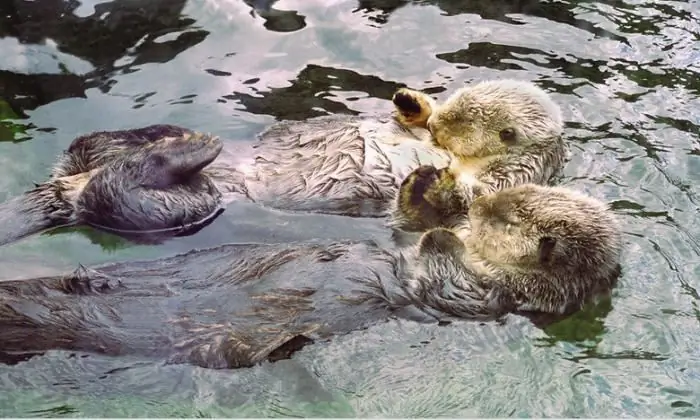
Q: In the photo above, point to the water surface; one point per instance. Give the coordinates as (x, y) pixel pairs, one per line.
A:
(625, 72)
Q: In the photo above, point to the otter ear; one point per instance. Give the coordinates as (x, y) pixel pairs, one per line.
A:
(441, 241)
(546, 249)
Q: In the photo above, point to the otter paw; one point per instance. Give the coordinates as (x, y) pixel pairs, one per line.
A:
(430, 185)
(419, 183)
(441, 241)
(424, 199)
(413, 107)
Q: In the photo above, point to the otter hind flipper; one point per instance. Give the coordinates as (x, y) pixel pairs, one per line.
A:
(226, 347)
(93, 150)
(173, 160)
(289, 347)
(154, 192)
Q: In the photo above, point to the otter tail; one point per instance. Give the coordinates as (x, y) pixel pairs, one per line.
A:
(36, 210)
(26, 325)
(53, 313)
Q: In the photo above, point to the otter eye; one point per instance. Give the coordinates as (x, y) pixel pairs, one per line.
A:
(507, 135)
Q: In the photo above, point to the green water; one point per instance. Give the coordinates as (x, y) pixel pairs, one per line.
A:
(625, 72)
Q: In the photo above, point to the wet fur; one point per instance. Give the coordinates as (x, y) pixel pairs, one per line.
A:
(545, 248)
(529, 248)
(227, 307)
(340, 164)
(144, 184)
(345, 165)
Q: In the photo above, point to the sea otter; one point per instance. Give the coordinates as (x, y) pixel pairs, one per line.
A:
(498, 133)
(524, 248)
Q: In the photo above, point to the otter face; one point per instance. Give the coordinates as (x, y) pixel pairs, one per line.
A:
(547, 230)
(490, 117)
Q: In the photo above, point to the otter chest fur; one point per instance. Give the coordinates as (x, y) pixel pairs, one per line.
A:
(340, 164)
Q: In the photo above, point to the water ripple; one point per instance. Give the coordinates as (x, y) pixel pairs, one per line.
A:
(625, 72)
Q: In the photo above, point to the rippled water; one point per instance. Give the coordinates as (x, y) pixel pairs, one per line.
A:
(626, 74)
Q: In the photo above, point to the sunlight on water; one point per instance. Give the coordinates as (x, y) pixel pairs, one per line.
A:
(626, 74)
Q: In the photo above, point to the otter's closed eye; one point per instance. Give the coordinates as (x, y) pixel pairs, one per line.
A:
(508, 135)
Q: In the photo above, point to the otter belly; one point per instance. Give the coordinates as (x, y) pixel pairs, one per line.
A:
(230, 306)
(399, 159)
(340, 164)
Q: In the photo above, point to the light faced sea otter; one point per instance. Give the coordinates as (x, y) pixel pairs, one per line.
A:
(524, 248)
(494, 133)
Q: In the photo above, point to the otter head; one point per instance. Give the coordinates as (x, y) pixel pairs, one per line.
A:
(552, 247)
(491, 117)
(154, 190)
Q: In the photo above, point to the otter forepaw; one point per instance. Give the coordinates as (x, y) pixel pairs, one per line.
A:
(441, 241)
(431, 185)
(425, 199)
(420, 182)
(413, 108)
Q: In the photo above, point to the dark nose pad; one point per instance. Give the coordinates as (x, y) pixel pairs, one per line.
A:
(427, 171)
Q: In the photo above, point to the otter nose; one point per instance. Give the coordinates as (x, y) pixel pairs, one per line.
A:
(427, 171)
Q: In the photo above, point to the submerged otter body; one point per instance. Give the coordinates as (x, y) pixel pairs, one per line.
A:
(237, 305)
(231, 306)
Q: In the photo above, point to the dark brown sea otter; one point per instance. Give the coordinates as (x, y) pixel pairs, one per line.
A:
(494, 134)
(524, 248)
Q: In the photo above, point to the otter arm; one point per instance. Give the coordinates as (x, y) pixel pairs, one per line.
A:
(431, 197)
